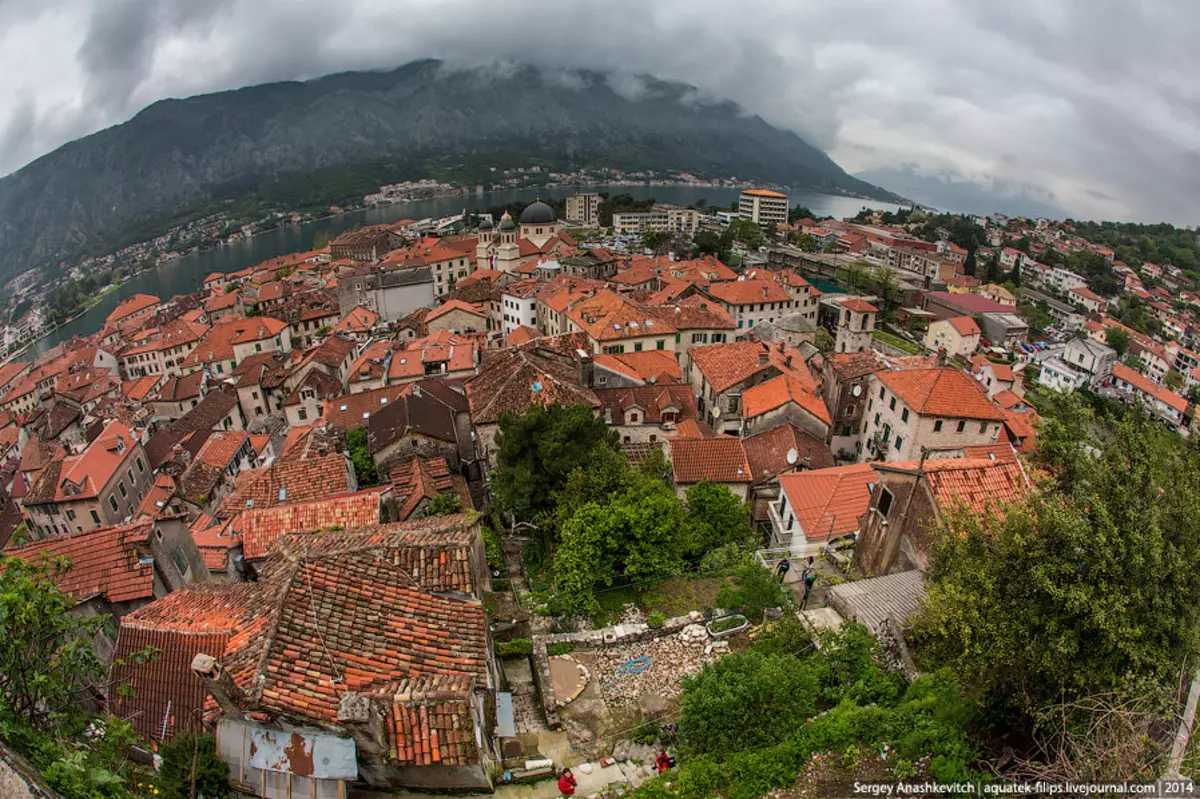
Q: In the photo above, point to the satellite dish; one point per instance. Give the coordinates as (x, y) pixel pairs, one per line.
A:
(716, 412)
(856, 390)
(792, 456)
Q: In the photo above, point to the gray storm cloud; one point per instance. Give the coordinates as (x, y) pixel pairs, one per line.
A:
(1089, 103)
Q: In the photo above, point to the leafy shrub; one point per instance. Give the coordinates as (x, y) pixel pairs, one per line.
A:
(656, 620)
(751, 590)
(559, 648)
(745, 700)
(646, 733)
(518, 647)
(212, 775)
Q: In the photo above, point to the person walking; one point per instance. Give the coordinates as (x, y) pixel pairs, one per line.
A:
(567, 783)
(809, 581)
(782, 569)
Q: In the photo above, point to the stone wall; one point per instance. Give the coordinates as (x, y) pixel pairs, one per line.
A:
(19, 780)
(594, 639)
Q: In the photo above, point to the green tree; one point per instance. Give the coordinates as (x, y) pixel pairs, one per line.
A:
(46, 653)
(637, 535)
(358, 445)
(970, 265)
(537, 451)
(1084, 590)
(190, 759)
(993, 272)
(605, 474)
(443, 505)
(1174, 380)
(715, 517)
(658, 241)
(823, 340)
(807, 243)
(320, 240)
(1119, 339)
(744, 701)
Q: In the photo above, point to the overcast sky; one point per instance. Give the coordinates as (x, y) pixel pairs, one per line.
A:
(1091, 105)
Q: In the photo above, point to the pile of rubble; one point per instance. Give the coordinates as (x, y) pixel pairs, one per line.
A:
(671, 658)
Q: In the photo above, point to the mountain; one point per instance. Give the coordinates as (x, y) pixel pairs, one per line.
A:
(340, 136)
(951, 192)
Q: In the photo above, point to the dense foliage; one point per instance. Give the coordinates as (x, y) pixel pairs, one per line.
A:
(1088, 587)
(358, 446)
(538, 450)
(192, 759)
(1135, 244)
(753, 720)
(49, 669)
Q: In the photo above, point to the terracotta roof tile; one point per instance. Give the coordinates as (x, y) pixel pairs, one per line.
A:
(978, 484)
(259, 527)
(289, 481)
(829, 502)
(745, 292)
(512, 379)
(779, 391)
(721, 460)
(941, 392)
(104, 562)
(767, 451)
(165, 696)
(964, 325)
(726, 365)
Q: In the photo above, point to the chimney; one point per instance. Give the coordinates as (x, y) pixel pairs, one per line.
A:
(587, 366)
(218, 683)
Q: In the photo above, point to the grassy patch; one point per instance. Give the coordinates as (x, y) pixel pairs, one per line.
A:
(679, 595)
(897, 342)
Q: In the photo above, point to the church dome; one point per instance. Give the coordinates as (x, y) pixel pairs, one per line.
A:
(537, 213)
(486, 224)
(507, 223)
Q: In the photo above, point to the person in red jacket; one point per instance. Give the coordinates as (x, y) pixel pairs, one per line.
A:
(567, 783)
(663, 762)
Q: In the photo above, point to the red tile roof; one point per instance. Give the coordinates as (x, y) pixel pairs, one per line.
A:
(163, 695)
(965, 325)
(455, 305)
(359, 320)
(609, 316)
(779, 391)
(1149, 387)
(289, 481)
(721, 460)
(977, 484)
(104, 562)
(726, 365)
(694, 312)
(515, 378)
(859, 306)
(521, 334)
(767, 451)
(746, 292)
(130, 306)
(83, 476)
(829, 502)
(648, 366)
(418, 655)
(259, 527)
(419, 479)
(940, 392)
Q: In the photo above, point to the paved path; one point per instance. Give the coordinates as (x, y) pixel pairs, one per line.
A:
(588, 784)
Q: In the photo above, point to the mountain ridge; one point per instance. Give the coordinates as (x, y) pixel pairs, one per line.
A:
(298, 142)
